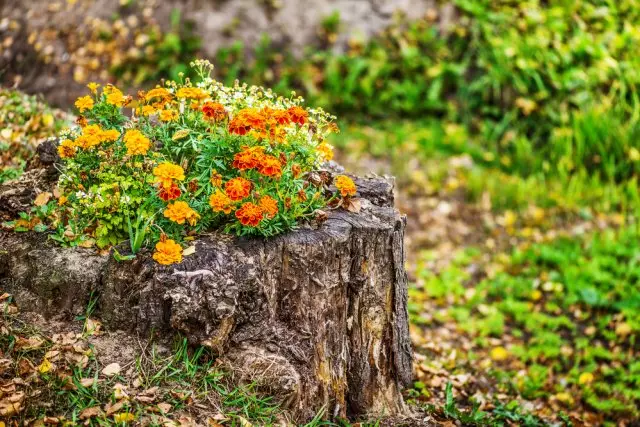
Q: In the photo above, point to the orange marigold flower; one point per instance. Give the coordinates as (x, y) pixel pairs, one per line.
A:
(136, 142)
(252, 118)
(216, 178)
(298, 115)
(91, 136)
(179, 212)
(170, 193)
(270, 166)
(296, 170)
(281, 117)
(238, 188)
(214, 111)
(248, 158)
(220, 202)
(325, 151)
(168, 115)
(84, 103)
(269, 206)
(168, 252)
(250, 214)
(165, 173)
(191, 93)
(67, 149)
(345, 185)
(238, 127)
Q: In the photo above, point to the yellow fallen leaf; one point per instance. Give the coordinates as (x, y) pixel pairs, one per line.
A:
(585, 378)
(565, 398)
(47, 120)
(623, 329)
(180, 134)
(123, 417)
(42, 198)
(189, 251)
(499, 353)
(45, 366)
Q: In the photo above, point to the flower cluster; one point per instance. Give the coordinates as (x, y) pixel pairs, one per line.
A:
(192, 158)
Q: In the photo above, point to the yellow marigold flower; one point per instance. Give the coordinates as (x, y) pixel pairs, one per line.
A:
(220, 202)
(345, 185)
(93, 87)
(136, 142)
(110, 135)
(165, 173)
(62, 200)
(114, 96)
(146, 110)
(326, 151)
(191, 93)
(158, 92)
(168, 252)
(168, 115)
(179, 212)
(88, 141)
(67, 148)
(84, 103)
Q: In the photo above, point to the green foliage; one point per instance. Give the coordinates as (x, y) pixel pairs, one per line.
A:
(571, 306)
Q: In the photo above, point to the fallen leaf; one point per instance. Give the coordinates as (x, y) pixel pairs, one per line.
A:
(87, 413)
(42, 198)
(45, 366)
(124, 417)
(111, 369)
(189, 251)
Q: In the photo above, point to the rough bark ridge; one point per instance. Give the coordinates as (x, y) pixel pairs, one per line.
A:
(317, 316)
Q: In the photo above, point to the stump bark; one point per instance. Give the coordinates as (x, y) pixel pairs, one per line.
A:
(316, 317)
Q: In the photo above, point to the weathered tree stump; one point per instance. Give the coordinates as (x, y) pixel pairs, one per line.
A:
(317, 316)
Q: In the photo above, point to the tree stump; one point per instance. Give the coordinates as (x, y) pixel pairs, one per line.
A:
(317, 317)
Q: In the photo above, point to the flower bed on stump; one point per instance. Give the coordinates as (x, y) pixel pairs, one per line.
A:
(191, 158)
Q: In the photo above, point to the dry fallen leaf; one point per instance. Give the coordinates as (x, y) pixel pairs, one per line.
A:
(87, 413)
(111, 369)
(42, 199)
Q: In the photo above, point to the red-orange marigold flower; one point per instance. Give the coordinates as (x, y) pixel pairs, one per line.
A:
(269, 206)
(214, 111)
(270, 166)
(170, 193)
(250, 214)
(281, 117)
(298, 115)
(248, 158)
(238, 188)
(238, 127)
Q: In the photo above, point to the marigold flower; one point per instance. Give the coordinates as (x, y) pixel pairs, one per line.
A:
(158, 92)
(114, 96)
(191, 93)
(238, 188)
(326, 151)
(171, 193)
(136, 142)
(166, 172)
(93, 87)
(168, 115)
(298, 115)
(270, 166)
(296, 170)
(345, 185)
(216, 178)
(250, 214)
(248, 158)
(214, 111)
(91, 136)
(110, 135)
(269, 206)
(220, 202)
(67, 149)
(168, 252)
(238, 127)
(179, 212)
(84, 103)
(281, 117)
(146, 110)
